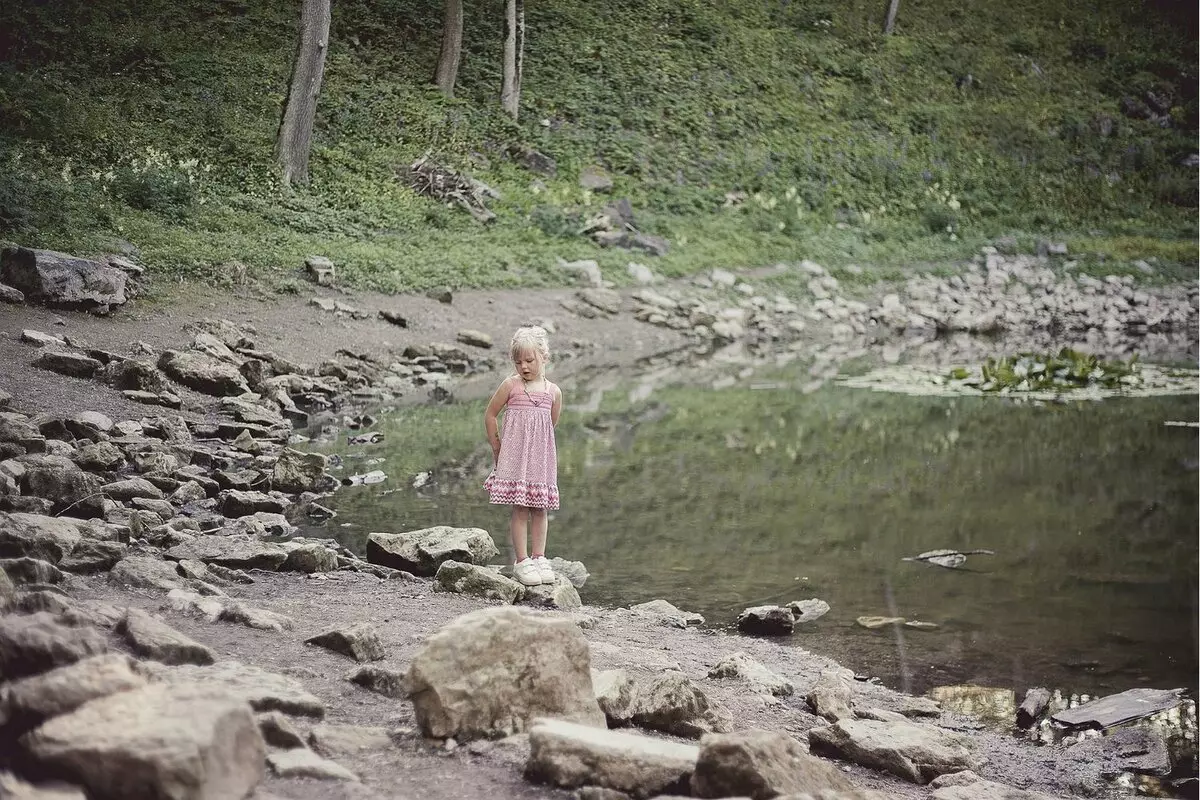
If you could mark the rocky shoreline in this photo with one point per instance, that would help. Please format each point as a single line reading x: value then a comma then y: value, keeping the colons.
x: 151, y: 566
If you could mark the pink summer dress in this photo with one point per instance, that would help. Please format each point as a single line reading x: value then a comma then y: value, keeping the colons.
x: 526, y: 473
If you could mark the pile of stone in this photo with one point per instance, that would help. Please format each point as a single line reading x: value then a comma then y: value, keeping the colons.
x: 63, y: 281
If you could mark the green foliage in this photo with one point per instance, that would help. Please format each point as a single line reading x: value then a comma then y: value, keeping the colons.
x: 1012, y: 109
x: 1068, y: 369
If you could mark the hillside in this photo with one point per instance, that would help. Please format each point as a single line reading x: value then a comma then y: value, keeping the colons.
x: 1022, y: 117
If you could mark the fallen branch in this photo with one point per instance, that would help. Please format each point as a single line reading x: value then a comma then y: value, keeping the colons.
x: 445, y: 185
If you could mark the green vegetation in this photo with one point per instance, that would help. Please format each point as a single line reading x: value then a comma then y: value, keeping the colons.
x: 1065, y: 370
x: 155, y: 125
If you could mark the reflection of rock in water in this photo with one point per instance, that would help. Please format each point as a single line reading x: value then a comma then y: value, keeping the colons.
x: 987, y: 704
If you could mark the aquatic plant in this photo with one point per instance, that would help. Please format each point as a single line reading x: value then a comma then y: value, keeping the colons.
x: 1066, y: 370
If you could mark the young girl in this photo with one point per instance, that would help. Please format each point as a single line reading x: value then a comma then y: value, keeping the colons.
x: 525, y: 475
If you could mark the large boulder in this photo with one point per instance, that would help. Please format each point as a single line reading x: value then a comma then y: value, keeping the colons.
x: 571, y: 755
x: 487, y: 674
x: 359, y: 642
x: 202, y: 372
x: 832, y: 696
x: 145, y: 572
x: 918, y: 753
x: 761, y: 764
x: 671, y: 703
x: 30, y: 701
x: 62, y: 482
x: 34, y: 643
x: 309, y: 557
x: 237, y: 551
x: 454, y: 576
x: 422, y: 552
x: 740, y: 666
x: 37, y: 536
x: 767, y: 621
x: 159, y: 742
x: 617, y: 695
x: 57, y: 279
x: 235, y: 503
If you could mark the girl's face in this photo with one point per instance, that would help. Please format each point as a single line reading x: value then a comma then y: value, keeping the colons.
x: 528, y: 364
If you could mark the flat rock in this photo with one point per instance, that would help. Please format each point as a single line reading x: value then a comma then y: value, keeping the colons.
x: 144, y: 572
x: 132, y: 488
x: 30, y: 701
x: 1116, y: 709
x: 571, y: 755
x: 966, y: 785
x: 359, y: 642
x: 806, y: 611
x: 617, y: 695
x: 1100, y: 759
x: 666, y: 614
x: 238, y: 551
x: 309, y: 557
x: 561, y: 595
x: 264, y: 691
x: 740, y: 666
x: 387, y: 682
x: 39, y: 339
x: 333, y: 740
x: 155, y: 639
x: 297, y: 472
x: 234, y: 503
x: 61, y: 280
x: 73, y: 365
x: 159, y: 742
x: 673, y: 704
x: 278, y: 731
x: 455, y: 576
x: 24, y: 571
x: 761, y: 764
x: 302, y: 763
x: 34, y: 643
x: 918, y: 753
x: 488, y: 673
x: 421, y: 552
x: 475, y: 338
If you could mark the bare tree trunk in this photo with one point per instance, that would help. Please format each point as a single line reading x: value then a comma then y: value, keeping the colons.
x: 893, y: 7
x: 514, y: 57
x: 294, y: 144
x: 448, y: 59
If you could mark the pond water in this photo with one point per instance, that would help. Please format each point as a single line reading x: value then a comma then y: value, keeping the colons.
x: 756, y: 486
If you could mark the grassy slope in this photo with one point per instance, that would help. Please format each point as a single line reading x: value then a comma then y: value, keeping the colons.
x: 682, y: 102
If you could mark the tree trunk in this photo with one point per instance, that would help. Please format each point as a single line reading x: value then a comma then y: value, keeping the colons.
x: 514, y: 56
x: 294, y: 144
x: 452, y: 34
x: 893, y: 7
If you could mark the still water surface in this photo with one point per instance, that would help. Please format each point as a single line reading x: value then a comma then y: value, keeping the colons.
x: 717, y: 499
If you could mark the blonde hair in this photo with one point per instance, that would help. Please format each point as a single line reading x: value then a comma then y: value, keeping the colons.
x: 531, y: 337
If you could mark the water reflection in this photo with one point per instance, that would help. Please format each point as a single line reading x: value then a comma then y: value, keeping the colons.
x: 770, y: 484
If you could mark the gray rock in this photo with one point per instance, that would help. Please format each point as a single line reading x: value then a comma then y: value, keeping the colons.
x: 572, y: 755
x: 99, y: 457
x: 320, y: 270
x: 916, y: 707
x: 574, y: 571
x: 202, y: 372
x: 918, y: 753
x: 256, y: 618
x: 10, y: 295
x: 59, y: 480
x: 135, y: 376
x: 1033, y: 707
x: 35, y: 643
x: 641, y: 273
x: 297, y: 472
x: 589, y: 270
x: 359, y: 642
x: 380, y: 680
x: 234, y: 503
x: 490, y: 672
x: 24, y: 571
x: 309, y: 557
x: 767, y: 621
x: 740, y: 666
x: 561, y: 595
x: 966, y: 785
x: 168, y: 742
x: 334, y: 740
x: 302, y: 763
x: 605, y: 300
x: 475, y: 338
x: 39, y: 339
x: 666, y: 614
x: 130, y: 488
x: 832, y: 697
x: 57, y: 279
x: 236, y: 551
x: 73, y: 365
x: 617, y: 695
x: 594, y: 179
x: 155, y: 639
x: 1095, y: 762
x: 421, y: 552
x: 264, y: 691
x: 143, y: 572
x: 671, y: 703
x: 454, y: 576
x: 30, y: 701
x: 761, y: 764
x: 13, y: 788
x: 601, y: 793
x: 278, y: 731
x: 808, y: 610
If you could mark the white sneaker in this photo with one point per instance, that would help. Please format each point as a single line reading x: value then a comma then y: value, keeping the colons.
x: 545, y: 570
x: 527, y: 572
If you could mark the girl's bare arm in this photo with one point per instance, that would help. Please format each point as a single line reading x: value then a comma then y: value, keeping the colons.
x: 489, y: 416
x: 556, y: 407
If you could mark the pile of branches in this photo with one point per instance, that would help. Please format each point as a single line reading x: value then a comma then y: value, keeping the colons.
x: 445, y: 185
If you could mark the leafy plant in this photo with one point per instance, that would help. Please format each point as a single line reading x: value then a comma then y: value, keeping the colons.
x: 1068, y: 369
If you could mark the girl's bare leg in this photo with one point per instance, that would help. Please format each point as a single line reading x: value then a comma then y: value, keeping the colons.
x: 517, y: 532
x: 538, y: 524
